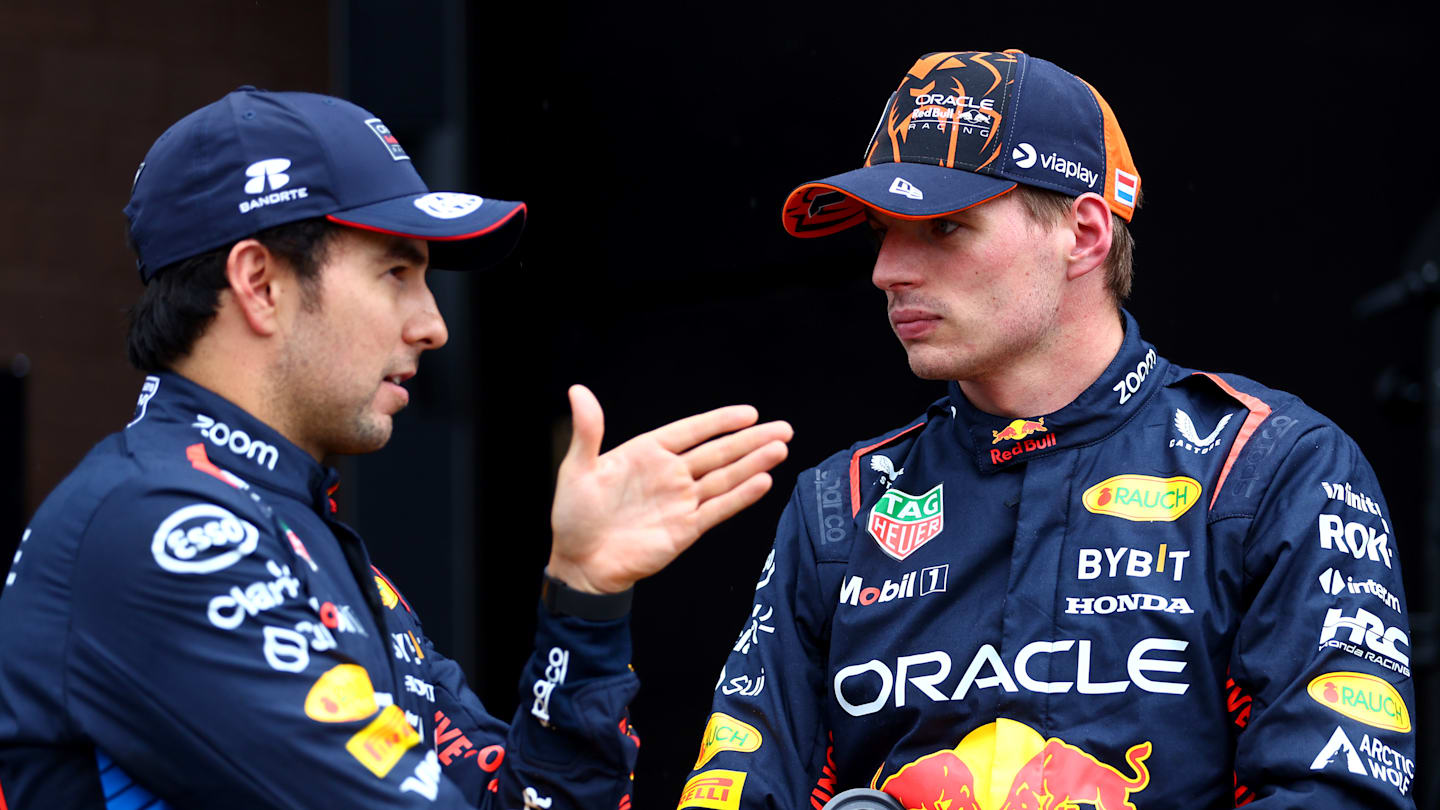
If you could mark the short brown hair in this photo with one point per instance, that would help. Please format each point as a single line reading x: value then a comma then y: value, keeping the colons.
x: 183, y: 298
x: 1047, y: 207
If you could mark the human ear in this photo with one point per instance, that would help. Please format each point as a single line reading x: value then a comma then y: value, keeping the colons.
x: 253, y: 274
x: 1093, y: 228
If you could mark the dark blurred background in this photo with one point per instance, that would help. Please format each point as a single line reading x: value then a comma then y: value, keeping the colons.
x: 1288, y: 168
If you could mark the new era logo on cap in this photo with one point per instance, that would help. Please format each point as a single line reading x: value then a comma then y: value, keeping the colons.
x: 904, y: 188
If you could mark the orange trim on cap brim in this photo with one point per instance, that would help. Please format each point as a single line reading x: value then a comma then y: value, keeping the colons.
x: 519, y: 209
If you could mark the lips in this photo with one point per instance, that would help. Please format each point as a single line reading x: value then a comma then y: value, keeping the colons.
x: 395, y: 384
x: 912, y: 323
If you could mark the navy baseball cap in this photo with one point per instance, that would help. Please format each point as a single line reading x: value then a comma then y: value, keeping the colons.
x: 964, y: 128
x: 256, y: 159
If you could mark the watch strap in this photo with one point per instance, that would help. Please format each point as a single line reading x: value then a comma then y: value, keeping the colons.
x: 562, y: 600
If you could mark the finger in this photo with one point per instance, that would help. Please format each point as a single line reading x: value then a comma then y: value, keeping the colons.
x: 723, y: 507
x: 683, y: 434
x: 725, y: 450
x: 726, y: 478
x: 587, y: 423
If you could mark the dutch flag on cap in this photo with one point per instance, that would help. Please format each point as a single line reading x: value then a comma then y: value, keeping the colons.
x: 1126, y: 185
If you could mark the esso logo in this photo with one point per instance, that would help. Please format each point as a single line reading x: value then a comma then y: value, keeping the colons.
x: 202, y: 538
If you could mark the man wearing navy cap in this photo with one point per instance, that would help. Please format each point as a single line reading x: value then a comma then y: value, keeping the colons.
x: 1087, y: 576
x: 188, y: 625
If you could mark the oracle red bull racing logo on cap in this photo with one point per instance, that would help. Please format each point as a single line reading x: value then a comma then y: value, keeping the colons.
x: 1006, y: 765
x: 901, y: 522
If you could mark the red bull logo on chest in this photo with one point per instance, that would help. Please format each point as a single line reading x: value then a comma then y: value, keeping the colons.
x: 901, y: 522
x: 1019, y: 431
x: 1006, y: 765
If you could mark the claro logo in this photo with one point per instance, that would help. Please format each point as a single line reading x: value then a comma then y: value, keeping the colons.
x: 237, y: 441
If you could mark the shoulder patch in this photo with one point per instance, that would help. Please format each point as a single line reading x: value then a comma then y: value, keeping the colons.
x: 1259, y: 411
x: 855, y: 463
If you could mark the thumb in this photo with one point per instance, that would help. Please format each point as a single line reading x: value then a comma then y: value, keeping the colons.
x: 588, y: 425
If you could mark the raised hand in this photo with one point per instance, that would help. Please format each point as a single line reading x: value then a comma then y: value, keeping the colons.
x: 624, y: 515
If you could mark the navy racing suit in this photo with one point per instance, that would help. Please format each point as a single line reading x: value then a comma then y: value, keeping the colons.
x: 186, y: 624
x: 1179, y: 590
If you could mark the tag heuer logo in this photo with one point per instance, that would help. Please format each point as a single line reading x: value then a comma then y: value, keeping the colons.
x: 901, y: 522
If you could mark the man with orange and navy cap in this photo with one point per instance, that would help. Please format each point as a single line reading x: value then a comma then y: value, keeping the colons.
x: 1087, y: 576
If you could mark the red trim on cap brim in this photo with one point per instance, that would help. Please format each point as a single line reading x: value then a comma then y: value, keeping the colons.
x: 519, y: 209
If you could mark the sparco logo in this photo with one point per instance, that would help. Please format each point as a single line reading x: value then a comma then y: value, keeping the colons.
x: 237, y: 441
x: 202, y: 538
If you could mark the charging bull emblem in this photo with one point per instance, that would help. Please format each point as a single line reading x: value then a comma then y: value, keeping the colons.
x: 1006, y: 765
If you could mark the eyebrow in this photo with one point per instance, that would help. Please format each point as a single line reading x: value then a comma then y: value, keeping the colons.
x: 403, y: 250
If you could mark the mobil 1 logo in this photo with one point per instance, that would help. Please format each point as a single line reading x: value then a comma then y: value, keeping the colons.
x: 926, y: 581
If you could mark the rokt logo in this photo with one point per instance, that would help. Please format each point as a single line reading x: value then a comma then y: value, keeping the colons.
x: 272, y: 169
x: 1024, y: 155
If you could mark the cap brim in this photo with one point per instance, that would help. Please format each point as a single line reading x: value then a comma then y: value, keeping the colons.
x: 474, y: 239
x: 905, y: 190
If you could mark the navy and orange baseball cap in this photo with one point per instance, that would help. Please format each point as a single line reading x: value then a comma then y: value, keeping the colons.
x: 965, y: 127
x: 255, y: 159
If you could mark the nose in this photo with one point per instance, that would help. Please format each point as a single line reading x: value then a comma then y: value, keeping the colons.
x: 426, y: 328
x: 894, y: 265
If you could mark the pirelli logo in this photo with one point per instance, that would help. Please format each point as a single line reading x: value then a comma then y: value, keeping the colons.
x: 380, y: 745
x: 715, y: 789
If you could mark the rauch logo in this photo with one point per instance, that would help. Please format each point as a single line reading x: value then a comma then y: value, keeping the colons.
x: 1142, y: 498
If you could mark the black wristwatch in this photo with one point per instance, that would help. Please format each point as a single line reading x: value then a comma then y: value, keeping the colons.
x: 562, y: 600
